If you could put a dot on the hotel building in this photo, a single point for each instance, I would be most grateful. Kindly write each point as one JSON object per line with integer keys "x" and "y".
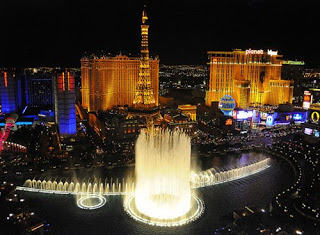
{"x": 112, "y": 81}
{"x": 64, "y": 100}
{"x": 251, "y": 77}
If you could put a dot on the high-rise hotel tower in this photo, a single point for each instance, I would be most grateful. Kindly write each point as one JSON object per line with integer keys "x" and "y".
{"x": 121, "y": 80}
{"x": 64, "y": 100}
{"x": 251, "y": 77}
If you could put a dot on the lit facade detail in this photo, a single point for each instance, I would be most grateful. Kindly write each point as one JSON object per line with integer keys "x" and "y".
{"x": 251, "y": 77}
{"x": 64, "y": 86}
{"x": 189, "y": 110}
{"x": 38, "y": 90}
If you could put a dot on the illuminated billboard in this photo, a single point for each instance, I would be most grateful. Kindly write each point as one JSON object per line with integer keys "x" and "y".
{"x": 242, "y": 114}
{"x": 228, "y": 122}
{"x": 308, "y": 131}
{"x": 297, "y": 117}
{"x": 314, "y": 116}
{"x": 307, "y": 100}
{"x": 288, "y": 117}
{"x": 269, "y": 120}
{"x": 227, "y": 105}
{"x": 263, "y": 116}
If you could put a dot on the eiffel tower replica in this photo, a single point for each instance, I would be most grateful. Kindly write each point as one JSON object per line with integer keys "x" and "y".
{"x": 144, "y": 104}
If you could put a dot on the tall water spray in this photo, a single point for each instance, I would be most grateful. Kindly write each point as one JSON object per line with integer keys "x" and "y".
{"x": 163, "y": 174}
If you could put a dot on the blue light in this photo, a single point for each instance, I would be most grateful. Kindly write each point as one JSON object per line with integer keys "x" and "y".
{"x": 23, "y": 123}
{"x": 18, "y": 123}
{"x": 269, "y": 121}
{"x": 25, "y": 108}
{"x": 297, "y": 117}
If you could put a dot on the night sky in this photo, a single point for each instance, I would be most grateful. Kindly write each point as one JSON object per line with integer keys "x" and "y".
{"x": 58, "y": 32}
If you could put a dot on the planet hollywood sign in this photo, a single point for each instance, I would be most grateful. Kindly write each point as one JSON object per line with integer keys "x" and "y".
{"x": 254, "y": 52}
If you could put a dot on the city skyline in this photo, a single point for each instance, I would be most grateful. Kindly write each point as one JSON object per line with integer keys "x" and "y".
{"x": 228, "y": 145}
{"x": 180, "y": 33}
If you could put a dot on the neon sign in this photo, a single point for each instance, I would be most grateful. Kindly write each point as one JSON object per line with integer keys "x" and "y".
{"x": 297, "y": 116}
{"x": 315, "y": 116}
{"x": 308, "y": 131}
{"x": 229, "y": 122}
{"x": 271, "y": 52}
{"x": 63, "y": 82}
{"x": 269, "y": 121}
{"x": 242, "y": 114}
{"x": 254, "y": 52}
{"x": 5, "y": 76}
{"x": 307, "y": 100}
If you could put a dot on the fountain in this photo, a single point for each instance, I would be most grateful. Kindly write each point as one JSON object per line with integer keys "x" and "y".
{"x": 91, "y": 202}
{"x": 163, "y": 193}
{"x": 200, "y": 179}
{"x": 212, "y": 177}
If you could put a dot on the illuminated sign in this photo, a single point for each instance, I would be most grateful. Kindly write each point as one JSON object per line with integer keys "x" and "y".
{"x": 234, "y": 114}
{"x": 269, "y": 121}
{"x": 308, "y": 131}
{"x": 315, "y": 116}
{"x": 297, "y": 117}
{"x": 263, "y": 116}
{"x": 271, "y": 52}
{"x": 293, "y": 62}
{"x": 316, "y": 133}
{"x": 242, "y": 114}
{"x": 254, "y": 52}
{"x": 229, "y": 122}
{"x": 307, "y": 100}
{"x": 307, "y": 96}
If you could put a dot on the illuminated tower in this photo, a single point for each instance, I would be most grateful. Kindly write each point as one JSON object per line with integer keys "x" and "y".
{"x": 64, "y": 99}
{"x": 144, "y": 98}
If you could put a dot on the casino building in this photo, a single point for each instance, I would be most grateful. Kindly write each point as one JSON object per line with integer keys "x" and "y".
{"x": 251, "y": 77}
{"x": 109, "y": 81}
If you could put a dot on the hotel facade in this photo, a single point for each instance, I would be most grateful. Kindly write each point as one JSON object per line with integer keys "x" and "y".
{"x": 112, "y": 81}
{"x": 251, "y": 77}
{"x": 64, "y": 100}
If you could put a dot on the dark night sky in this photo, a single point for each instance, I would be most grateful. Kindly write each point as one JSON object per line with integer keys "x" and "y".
{"x": 57, "y": 32}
